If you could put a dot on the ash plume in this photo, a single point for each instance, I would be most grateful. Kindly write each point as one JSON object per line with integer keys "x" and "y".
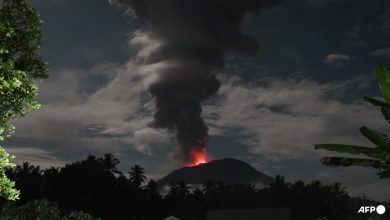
{"x": 194, "y": 36}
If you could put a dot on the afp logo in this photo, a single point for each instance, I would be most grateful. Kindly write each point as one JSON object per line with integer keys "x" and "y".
{"x": 380, "y": 209}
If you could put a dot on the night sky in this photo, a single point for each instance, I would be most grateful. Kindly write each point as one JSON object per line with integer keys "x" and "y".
{"x": 305, "y": 86}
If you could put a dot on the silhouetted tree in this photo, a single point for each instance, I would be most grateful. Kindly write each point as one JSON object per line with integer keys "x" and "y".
{"x": 154, "y": 204}
{"x": 137, "y": 176}
{"x": 152, "y": 188}
{"x": 109, "y": 163}
{"x": 90, "y": 187}
{"x": 183, "y": 190}
{"x": 209, "y": 186}
{"x": 29, "y": 180}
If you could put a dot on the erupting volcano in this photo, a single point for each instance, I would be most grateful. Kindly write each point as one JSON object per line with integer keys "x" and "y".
{"x": 184, "y": 48}
{"x": 198, "y": 155}
{"x": 228, "y": 170}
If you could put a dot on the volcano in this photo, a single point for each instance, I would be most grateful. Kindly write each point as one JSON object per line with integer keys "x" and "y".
{"x": 228, "y": 170}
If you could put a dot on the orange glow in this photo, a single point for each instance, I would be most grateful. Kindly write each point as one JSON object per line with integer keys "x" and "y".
{"x": 198, "y": 154}
{"x": 198, "y": 157}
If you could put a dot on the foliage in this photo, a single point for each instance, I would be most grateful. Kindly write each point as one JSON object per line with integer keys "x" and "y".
{"x": 20, "y": 39}
{"x": 90, "y": 187}
{"x": 79, "y": 215}
{"x": 137, "y": 176}
{"x": 109, "y": 163}
{"x": 20, "y": 64}
{"x": 7, "y": 187}
{"x": 40, "y": 209}
{"x": 380, "y": 155}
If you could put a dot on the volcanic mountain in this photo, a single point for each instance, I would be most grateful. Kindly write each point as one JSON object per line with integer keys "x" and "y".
{"x": 228, "y": 170}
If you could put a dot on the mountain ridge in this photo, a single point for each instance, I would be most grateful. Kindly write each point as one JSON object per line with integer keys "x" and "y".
{"x": 228, "y": 170}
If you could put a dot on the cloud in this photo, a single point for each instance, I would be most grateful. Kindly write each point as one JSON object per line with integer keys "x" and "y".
{"x": 284, "y": 118}
{"x": 383, "y": 52}
{"x": 337, "y": 57}
{"x": 106, "y": 109}
{"x": 273, "y": 117}
{"x": 279, "y": 119}
{"x": 103, "y": 109}
{"x": 320, "y": 3}
{"x": 35, "y": 156}
{"x": 147, "y": 137}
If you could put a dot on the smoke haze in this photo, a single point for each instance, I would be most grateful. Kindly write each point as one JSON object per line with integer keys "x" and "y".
{"x": 186, "y": 41}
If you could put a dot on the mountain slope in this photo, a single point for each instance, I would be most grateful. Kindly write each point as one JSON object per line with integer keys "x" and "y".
{"x": 227, "y": 170}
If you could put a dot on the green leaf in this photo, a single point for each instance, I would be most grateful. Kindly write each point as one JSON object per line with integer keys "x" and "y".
{"x": 382, "y": 151}
{"x": 383, "y": 77}
{"x": 386, "y": 113}
{"x": 20, "y": 64}
{"x": 380, "y": 140}
{"x": 376, "y": 102}
{"x": 7, "y": 186}
{"x": 346, "y": 162}
{"x": 351, "y": 149}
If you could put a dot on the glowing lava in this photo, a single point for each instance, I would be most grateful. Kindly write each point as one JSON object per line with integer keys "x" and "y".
{"x": 198, "y": 154}
{"x": 198, "y": 157}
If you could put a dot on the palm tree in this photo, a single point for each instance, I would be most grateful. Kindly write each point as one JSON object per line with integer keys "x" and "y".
{"x": 52, "y": 171}
{"x": 109, "y": 163}
{"x": 381, "y": 153}
{"x": 183, "y": 189}
{"x": 24, "y": 169}
{"x": 29, "y": 180}
{"x": 173, "y": 188}
{"x": 152, "y": 188}
{"x": 92, "y": 163}
{"x": 27, "y": 170}
{"x": 209, "y": 186}
{"x": 137, "y": 176}
{"x": 36, "y": 171}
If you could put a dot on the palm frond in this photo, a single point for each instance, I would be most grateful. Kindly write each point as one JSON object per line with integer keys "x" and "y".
{"x": 351, "y": 149}
{"x": 346, "y": 162}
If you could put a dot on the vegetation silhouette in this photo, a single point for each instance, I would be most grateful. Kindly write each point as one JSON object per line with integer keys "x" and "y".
{"x": 379, "y": 156}
{"x": 95, "y": 186}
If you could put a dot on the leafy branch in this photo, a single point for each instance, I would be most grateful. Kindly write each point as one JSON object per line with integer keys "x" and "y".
{"x": 20, "y": 65}
{"x": 380, "y": 155}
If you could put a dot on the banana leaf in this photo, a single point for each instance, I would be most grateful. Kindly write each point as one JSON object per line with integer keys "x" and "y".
{"x": 346, "y": 162}
{"x": 376, "y": 102}
{"x": 385, "y": 108}
{"x": 380, "y": 154}
{"x": 351, "y": 149}
{"x": 380, "y": 140}
{"x": 383, "y": 76}
{"x": 386, "y": 113}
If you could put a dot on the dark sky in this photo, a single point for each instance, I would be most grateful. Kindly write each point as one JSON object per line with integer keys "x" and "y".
{"x": 316, "y": 61}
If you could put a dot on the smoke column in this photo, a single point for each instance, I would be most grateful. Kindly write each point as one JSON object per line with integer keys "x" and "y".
{"x": 194, "y": 37}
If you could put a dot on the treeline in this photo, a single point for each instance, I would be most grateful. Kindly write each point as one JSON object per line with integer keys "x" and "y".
{"x": 95, "y": 186}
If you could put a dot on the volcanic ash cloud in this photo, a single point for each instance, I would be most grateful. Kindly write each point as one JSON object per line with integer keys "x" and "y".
{"x": 183, "y": 46}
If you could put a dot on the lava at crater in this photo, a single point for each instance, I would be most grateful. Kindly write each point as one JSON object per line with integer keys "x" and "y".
{"x": 198, "y": 154}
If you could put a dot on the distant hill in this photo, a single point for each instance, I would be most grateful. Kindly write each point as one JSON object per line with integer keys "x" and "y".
{"x": 228, "y": 170}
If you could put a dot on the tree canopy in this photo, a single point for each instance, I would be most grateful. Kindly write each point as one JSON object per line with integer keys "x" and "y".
{"x": 20, "y": 66}
{"x": 90, "y": 187}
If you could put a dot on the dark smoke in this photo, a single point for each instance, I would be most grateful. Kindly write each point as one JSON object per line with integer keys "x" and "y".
{"x": 195, "y": 36}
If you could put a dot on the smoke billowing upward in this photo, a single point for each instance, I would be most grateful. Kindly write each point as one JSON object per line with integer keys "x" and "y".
{"x": 193, "y": 36}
